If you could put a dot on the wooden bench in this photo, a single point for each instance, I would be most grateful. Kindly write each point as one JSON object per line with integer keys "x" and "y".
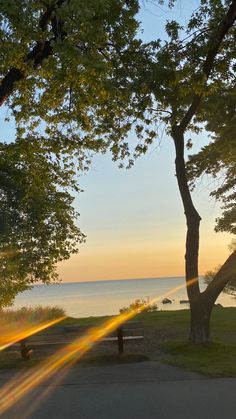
{"x": 62, "y": 335}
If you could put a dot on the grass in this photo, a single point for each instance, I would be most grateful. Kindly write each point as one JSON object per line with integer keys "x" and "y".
{"x": 31, "y": 314}
{"x": 216, "y": 359}
{"x": 170, "y": 330}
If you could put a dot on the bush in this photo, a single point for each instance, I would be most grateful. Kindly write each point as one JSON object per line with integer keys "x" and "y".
{"x": 140, "y": 303}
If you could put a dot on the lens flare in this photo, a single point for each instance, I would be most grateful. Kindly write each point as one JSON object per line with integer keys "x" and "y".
{"x": 65, "y": 357}
{"x": 23, "y": 331}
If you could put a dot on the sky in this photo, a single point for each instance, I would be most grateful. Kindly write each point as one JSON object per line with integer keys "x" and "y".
{"x": 134, "y": 219}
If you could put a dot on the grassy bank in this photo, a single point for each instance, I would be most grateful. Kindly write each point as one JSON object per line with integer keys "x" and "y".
{"x": 216, "y": 359}
{"x": 169, "y": 332}
{"x": 166, "y": 339}
{"x": 175, "y": 324}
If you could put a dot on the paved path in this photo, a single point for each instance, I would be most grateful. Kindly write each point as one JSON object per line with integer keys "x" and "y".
{"x": 146, "y": 390}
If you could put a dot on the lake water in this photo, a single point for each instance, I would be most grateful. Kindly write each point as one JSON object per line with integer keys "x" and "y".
{"x": 83, "y": 299}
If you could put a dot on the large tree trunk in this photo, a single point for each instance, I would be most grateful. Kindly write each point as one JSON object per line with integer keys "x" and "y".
{"x": 200, "y": 311}
{"x": 200, "y": 320}
{"x": 201, "y": 304}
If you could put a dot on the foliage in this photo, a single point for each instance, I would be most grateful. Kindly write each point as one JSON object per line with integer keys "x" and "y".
{"x": 80, "y": 69}
{"x": 140, "y": 303}
{"x": 83, "y": 73}
{"x": 218, "y": 158}
{"x": 67, "y": 68}
{"x": 37, "y": 219}
{"x": 65, "y": 74}
{"x": 32, "y": 314}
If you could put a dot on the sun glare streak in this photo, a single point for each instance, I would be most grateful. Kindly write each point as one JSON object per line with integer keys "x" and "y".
{"x": 43, "y": 394}
{"x": 65, "y": 357}
{"x": 25, "y": 331}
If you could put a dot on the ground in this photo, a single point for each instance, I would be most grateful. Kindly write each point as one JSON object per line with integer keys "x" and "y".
{"x": 103, "y": 385}
{"x": 146, "y": 390}
{"x": 165, "y": 340}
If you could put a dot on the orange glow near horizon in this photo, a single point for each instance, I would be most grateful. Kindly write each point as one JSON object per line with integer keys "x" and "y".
{"x": 146, "y": 260}
{"x": 65, "y": 357}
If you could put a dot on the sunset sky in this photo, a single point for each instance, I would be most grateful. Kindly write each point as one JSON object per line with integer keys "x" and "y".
{"x": 134, "y": 219}
{"x": 135, "y": 224}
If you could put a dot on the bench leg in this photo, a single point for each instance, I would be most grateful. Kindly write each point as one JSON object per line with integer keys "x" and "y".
{"x": 120, "y": 340}
{"x": 25, "y": 351}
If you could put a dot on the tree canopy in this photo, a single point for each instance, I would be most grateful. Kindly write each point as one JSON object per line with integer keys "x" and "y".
{"x": 63, "y": 76}
{"x": 219, "y": 156}
{"x": 66, "y": 69}
{"x": 37, "y": 219}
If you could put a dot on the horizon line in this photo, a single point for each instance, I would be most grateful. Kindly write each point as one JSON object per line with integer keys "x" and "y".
{"x": 113, "y": 279}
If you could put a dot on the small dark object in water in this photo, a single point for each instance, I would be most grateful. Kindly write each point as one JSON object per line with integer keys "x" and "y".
{"x": 184, "y": 301}
{"x": 166, "y": 301}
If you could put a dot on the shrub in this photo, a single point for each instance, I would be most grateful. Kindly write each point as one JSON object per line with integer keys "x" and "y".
{"x": 140, "y": 303}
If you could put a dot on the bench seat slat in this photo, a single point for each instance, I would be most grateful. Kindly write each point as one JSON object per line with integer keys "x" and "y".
{"x": 65, "y": 342}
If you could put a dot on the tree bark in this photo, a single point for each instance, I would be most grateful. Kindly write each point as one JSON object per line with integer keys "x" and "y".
{"x": 201, "y": 311}
{"x": 201, "y": 304}
{"x": 36, "y": 56}
{"x": 192, "y": 218}
{"x": 200, "y": 319}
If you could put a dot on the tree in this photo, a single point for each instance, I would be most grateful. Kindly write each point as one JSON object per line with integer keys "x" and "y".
{"x": 197, "y": 72}
{"x": 214, "y": 49}
{"x": 182, "y": 81}
{"x": 64, "y": 67}
{"x": 63, "y": 76}
{"x": 37, "y": 220}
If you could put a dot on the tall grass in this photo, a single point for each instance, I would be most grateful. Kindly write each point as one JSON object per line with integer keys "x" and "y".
{"x": 31, "y": 314}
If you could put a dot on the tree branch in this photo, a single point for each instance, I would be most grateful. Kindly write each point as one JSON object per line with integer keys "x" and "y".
{"x": 214, "y": 44}
{"x": 41, "y": 51}
{"x": 223, "y": 276}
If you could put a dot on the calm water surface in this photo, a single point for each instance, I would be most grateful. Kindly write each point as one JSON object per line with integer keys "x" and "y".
{"x": 83, "y": 299}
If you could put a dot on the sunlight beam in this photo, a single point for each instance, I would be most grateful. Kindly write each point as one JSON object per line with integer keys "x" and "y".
{"x": 15, "y": 336}
{"x": 13, "y": 391}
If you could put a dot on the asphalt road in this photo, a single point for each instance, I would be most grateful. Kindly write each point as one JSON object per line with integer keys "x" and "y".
{"x": 146, "y": 390}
